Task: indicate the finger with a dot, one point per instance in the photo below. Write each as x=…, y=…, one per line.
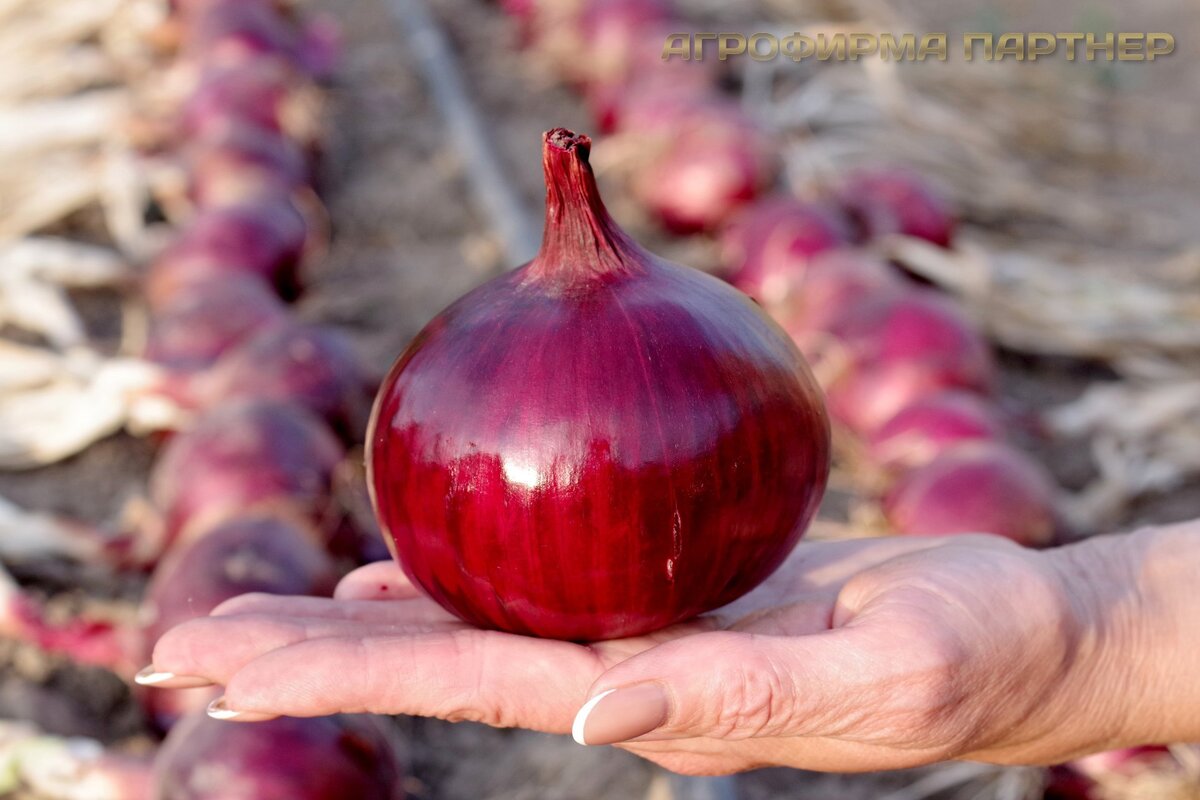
x=417, y=609
x=383, y=580
x=495, y=678
x=737, y=685
x=214, y=648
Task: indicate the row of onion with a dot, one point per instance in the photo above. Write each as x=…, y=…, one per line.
x=244, y=490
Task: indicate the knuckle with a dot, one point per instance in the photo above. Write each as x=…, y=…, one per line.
x=470, y=697
x=756, y=695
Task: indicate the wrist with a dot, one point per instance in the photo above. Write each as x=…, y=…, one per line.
x=1137, y=647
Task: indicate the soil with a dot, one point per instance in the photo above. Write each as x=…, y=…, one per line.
x=408, y=240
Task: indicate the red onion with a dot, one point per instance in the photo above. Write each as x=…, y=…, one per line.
x=241, y=457
x=262, y=239
x=233, y=32
x=612, y=33
x=598, y=444
x=645, y=82
x=195, y=328
x=310, y=365
x=244, y=163
x=833, y=282
x=902, y=346
x=886, y=201
x=977, y=487
x=923, y=430
x=250, y=553
x=257, y=552
x=320, y=46
x=702, y=179
x=770, y=243
x=258, y=93
x=318, y=758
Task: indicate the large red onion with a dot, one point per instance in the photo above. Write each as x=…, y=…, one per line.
x=886, y=201
x=193, y=330
x=249, y=553
x=262, y=239
x=240, y=457
x=977, y=487
x=600, y=443
x=769, y=244
x=923, y=430
x=901, y=346
x=318, y=758
x=310, y=365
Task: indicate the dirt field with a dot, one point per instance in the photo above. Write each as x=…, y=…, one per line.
x=408, y=240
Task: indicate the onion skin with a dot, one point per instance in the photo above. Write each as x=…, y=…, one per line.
x=598, y=444
x=197, y=327
x=889, y=201
x=310, y=365
x=701, y=181
x=242, y=457
x=976, y=488
x=771, y=243
x=244, y=164
x=920, y=432
x=902, y=346
x=833, y=282
x=233, y=32
x=266, y=240
x=316, y=758
x=255, y=93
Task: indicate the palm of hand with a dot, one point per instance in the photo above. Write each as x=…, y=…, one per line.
x=860, y=655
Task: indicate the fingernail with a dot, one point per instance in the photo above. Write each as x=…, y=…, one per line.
x=148, y=676
x=218, y=710
x=619, y=715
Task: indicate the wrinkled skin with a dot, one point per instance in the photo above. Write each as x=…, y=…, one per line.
x=859, y=655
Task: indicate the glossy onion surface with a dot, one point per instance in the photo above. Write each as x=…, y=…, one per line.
x=598, y=444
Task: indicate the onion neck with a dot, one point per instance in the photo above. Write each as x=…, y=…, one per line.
x=580, y=240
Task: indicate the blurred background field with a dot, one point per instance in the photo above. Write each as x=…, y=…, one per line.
x=1078, y=253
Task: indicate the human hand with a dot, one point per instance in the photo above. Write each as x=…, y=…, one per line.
x=855, y=655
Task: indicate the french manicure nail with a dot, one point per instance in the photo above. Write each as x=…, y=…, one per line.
x=218, y=710
x=618, y=715
x=148, y=676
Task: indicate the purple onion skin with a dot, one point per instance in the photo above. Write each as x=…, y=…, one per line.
x=598, y=444
x=244, y=163
x=976, y=487
x=309, y=365
x=197, y=327
x=771, y=243
x=889, y=201
x=921, y=431
x=242, y=457
x=266, y=240
x=319, y=758
x=256, y=552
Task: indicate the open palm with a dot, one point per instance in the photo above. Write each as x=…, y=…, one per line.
x=854, y=655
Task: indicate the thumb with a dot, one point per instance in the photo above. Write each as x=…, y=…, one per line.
x=727, y=685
